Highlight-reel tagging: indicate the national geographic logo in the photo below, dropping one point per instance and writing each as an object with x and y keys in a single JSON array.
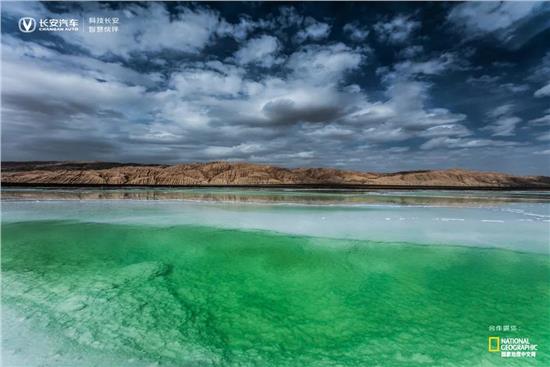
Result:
[{"x": 512, "y": 347}]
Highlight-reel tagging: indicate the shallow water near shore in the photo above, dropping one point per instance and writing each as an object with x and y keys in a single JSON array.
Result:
[{"x": 95, "y": 283}]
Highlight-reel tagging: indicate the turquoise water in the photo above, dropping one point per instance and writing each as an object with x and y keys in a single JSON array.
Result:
[{"x": 193, "y": 284}]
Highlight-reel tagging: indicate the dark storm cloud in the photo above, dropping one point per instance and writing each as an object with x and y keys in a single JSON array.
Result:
[
  {"x": 50, "y": 110},
  {"x": 371, "y": 86},
  {"x": 287, "y": 112}
]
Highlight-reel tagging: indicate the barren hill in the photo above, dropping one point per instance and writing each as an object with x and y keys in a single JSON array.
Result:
[{"x": 237, "y": 174}]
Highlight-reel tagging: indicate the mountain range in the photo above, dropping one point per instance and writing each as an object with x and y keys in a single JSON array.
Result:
[{"x": 222, "y": 173}]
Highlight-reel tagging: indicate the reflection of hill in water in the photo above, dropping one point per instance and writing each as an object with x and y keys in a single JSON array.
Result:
[{"x": 318, "y": 197}]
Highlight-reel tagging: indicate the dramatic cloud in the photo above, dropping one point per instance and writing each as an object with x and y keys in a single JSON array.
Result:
[{"x": 286, "y": 85}]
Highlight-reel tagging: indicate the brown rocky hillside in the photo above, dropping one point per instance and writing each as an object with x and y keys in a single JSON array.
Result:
[{"x": 225, "y": 173}]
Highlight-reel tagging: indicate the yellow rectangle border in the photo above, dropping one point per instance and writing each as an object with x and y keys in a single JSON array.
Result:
[{"x": 497, "y": 349}]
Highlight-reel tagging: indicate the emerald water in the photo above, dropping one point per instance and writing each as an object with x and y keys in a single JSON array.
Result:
[{"x": 312, "y": 282}]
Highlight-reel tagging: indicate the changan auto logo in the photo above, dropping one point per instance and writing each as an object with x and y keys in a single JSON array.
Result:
[{"x": 27, "y": 24}]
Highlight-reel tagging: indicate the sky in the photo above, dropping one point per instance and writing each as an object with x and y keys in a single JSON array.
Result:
[{"x": 362, "y": 86}]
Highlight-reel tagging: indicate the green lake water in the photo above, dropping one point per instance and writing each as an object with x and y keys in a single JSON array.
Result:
[{"x": 200, "y": 295}]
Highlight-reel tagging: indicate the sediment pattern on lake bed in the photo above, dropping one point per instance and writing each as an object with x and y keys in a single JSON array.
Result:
[{"x": 192, "y": 295}]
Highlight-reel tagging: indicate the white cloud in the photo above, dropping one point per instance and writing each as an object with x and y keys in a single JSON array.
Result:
[
  {"x": 501, "y": 110},
  {"x": 539, "y": 73},
  {"x": 261, "y": 51},
  {"x": 386, "y": 133},
  {"x": 543, "y": 92},
  {"x": 240, "y": 30},
  {"x": 461, "y": 143},
  {"x": 325, "y": 63},
  {"x": 143, "y": 28},
  {"x": 483, "y": 79},
  {"x": 411, "y": 51},
  {"x": 429, "y": 67},
  {"x": 405, "y": 115},
  {"x": 500, "y": 19},
  {"x": 504, "y": 126},
  {"x": 332, "y": 130},
  {"x": 446, "y": 130},
  {"x": 541, "y": 121},
  {"x": 50, "y": 86},
  {"x": 289, "y": 17},
  {"x": 314, "y": 30},
  {"x": 515, "y": 88},
  {"x": 24, "y": 9},
  {"x": 14, "y": 50},
  {"x": 504, "y": 123},
  {"x": 235, "y": 151},
  {"x": 408, "y": 69},
  {"x": 201, "y": 81},
  {"x": 397, "y": 30},
  {"x": 356, "y": 32}
]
